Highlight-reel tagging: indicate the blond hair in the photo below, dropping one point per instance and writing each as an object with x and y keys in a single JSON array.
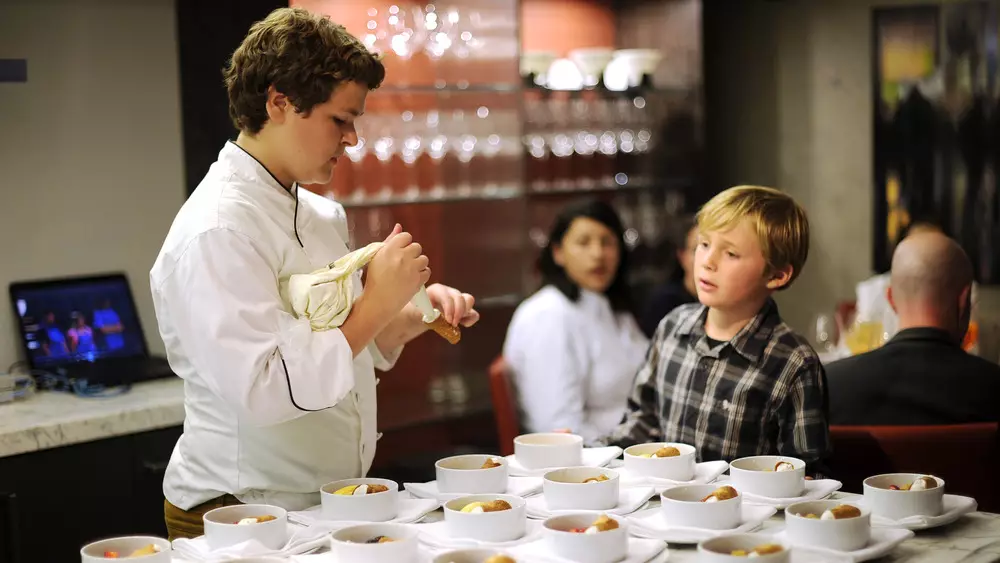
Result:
[{"x": 781, "y": 224}]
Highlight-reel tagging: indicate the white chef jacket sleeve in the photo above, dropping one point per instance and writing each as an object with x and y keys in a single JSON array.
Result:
[
  {"x": 224, "y": 301},
  {"x": 384, "y": 362},
  {"x": 551, "y": 373}
]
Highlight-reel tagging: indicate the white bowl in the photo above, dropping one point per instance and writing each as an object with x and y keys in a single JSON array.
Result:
[
  {"x": 677, "y": 468},
  {"x": 591, "y": 62},
  {"x": 638, "y": 63},
  {"x": 347, "y": 544},
  {"x": 897, "y": 505},
  {"x": 221, "y": 529},
  {"x": 719, "y": 550},
  {"x": 536, "y": 62},
  {"x": 602, "y": 547},
  {"x": 463, "y": 474},
  {"x": 467, "y": 556},
  {"x": 564, "y": 489},
  {"x": 548, "y": 450},
  {"x": 846, "y": 534},
  {"x": 376, "y": 507},
  {"x": 756, "y": 475},
  {"x": 682, "y": 506},
  {"x": 504, "y": 525},
  {"x": 94, "y": 552}
]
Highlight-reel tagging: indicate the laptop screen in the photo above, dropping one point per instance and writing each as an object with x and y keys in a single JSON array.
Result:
[{"x": 77, "y": 320}]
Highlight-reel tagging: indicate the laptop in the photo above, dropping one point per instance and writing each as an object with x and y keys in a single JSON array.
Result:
[{"x": 86, "y": 329}]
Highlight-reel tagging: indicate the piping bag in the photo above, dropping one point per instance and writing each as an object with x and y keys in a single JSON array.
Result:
[{"x": 326, "y": 296}]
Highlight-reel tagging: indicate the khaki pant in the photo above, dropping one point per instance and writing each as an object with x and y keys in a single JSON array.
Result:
[{"x": 188, "y": 523}]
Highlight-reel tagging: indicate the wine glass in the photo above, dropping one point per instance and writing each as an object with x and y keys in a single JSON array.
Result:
[{"x": 826, "y": 332}]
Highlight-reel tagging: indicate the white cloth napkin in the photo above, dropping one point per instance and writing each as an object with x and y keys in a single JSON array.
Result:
[
  {"x": 704, "y": 473},
  {"x": 882, "y": 542},
  {"x": 640, "y": 550},
  {"x": 516, "y": 486},
  {"x": 954, "y": 507},
  {"x": 649, "y": 523},
  {"x": 815, "y": 490},
  {"x": 300, "y": 540},
  {"x": 435, "y": 535},
  {"x": 410, "y": 510},
  {"x": 630, "y": 499},
  {"x": 592, "y": 457}
]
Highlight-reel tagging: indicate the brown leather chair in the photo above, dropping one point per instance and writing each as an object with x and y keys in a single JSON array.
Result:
[
  {"x": 964, "y": 455},
  {"x": 504, "y": 406}
]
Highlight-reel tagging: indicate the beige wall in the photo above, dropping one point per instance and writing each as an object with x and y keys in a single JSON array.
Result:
[
  {"x": 789, "y": 104},
  {"x": 90, "y": 146}
]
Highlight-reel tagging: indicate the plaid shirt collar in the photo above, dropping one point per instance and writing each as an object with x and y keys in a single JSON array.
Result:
[{"x": 749, "y": 342}]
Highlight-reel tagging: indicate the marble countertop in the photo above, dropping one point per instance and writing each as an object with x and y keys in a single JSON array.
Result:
[{"x": 52, "y": 419}]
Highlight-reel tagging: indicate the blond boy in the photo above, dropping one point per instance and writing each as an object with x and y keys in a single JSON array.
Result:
[{"x": 727, "y": 375}]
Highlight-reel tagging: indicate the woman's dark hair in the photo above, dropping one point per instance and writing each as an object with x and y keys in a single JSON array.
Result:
[{"x": 619, "y": 293}]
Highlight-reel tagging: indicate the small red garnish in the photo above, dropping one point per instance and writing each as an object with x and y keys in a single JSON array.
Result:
[
  {"x": 893, "y": 488},
  {"x": 111, "y": 555}
]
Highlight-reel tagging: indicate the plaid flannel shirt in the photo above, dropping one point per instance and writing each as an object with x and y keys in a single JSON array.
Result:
[{"x": 762, "y": 393}]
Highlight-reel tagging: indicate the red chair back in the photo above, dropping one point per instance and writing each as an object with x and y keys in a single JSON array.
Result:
[
  {"x": 964, "y": 455},
  {"x": 504, "y": 406}
]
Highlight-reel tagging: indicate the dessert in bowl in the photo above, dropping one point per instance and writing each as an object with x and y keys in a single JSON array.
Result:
[
  {"x": 548, "y": 450},
  {"x": 901, "y": 495},
  {"x": 769, "y": 476},
  {"x": 488, "y": 518},
  {"x": 581, "y": 488},
  {"x": 831, "y": 524},
  {"x": 375, "y": 543},
  {"x": 471, "y": 474},
  {"x": 361, "y": 500},
  {"x": 147, "y": 549},
  {"x": 701, "y": 506},
  {"x": 474, "y": 556},
  {"x": 587, "y": 537},
  {"x": 231, "y": 525},
  {"x": 662, "y": 460},
  {"x": 740, "y": 547}
]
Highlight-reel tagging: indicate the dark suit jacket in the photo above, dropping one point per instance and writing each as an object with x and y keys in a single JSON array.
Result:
[{"x": 920, "y": 377}]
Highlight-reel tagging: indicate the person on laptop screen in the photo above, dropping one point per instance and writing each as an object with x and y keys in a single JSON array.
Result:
[
  {"x": 275, "y": 410},
  {"x": 109, "y": 323}
]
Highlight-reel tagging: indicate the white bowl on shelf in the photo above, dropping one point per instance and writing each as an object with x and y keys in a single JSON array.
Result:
[
  {"x": 374, "y": 507},
  {"x": 348, "y": 544},
  {"x": 464, "y": 474},
  {"x": 564, "y": 489},
  {"x": 94, "y": 552},
  {"x": 603, "y": 547},
  {"x": 222, "y": 530},
  {"x": 592, "y": 62},
  {"x": 628, "y": 67},
  {"x": 537, "y": 63}
]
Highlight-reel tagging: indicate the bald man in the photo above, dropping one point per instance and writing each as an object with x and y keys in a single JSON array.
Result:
[{"x": 922, "y": 375}]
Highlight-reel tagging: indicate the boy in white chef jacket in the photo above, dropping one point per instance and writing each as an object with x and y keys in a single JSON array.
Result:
[{"x": 274, "y": 410}]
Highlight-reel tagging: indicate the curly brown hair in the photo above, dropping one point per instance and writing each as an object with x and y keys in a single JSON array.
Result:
[{"x": 305, "y": 56}]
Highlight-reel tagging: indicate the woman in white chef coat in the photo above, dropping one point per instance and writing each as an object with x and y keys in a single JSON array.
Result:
[
  {"x": 574, "y": 346},
  {"x": 273, "y": 409}
]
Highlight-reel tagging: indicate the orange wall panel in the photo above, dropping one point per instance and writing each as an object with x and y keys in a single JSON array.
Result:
[{"x": 559, "y": 25}]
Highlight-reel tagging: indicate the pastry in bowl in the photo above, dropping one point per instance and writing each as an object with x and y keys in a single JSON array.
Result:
[
  {"x": 581, "y": 488},
  {"x": 486, "y": 518},
  {"x": 474, "y": 556},
  {"x": 769, "y": 476},
  {"x": 147, "y": 549},
  {"x": 231, "y": 525},
  {"x": 375, "y": 543},
  {"x": 829, "y": 524},
  {"x": 701, "y": 506},
  {"x": 661, "y": 460},
  {"x": 473, "y": 474},
  {"x": 360, "y": 500},
  {"x": 740, "y": 547},
  {"x": 587, "y": 537},
  {"x": 900, "y": 495}
]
